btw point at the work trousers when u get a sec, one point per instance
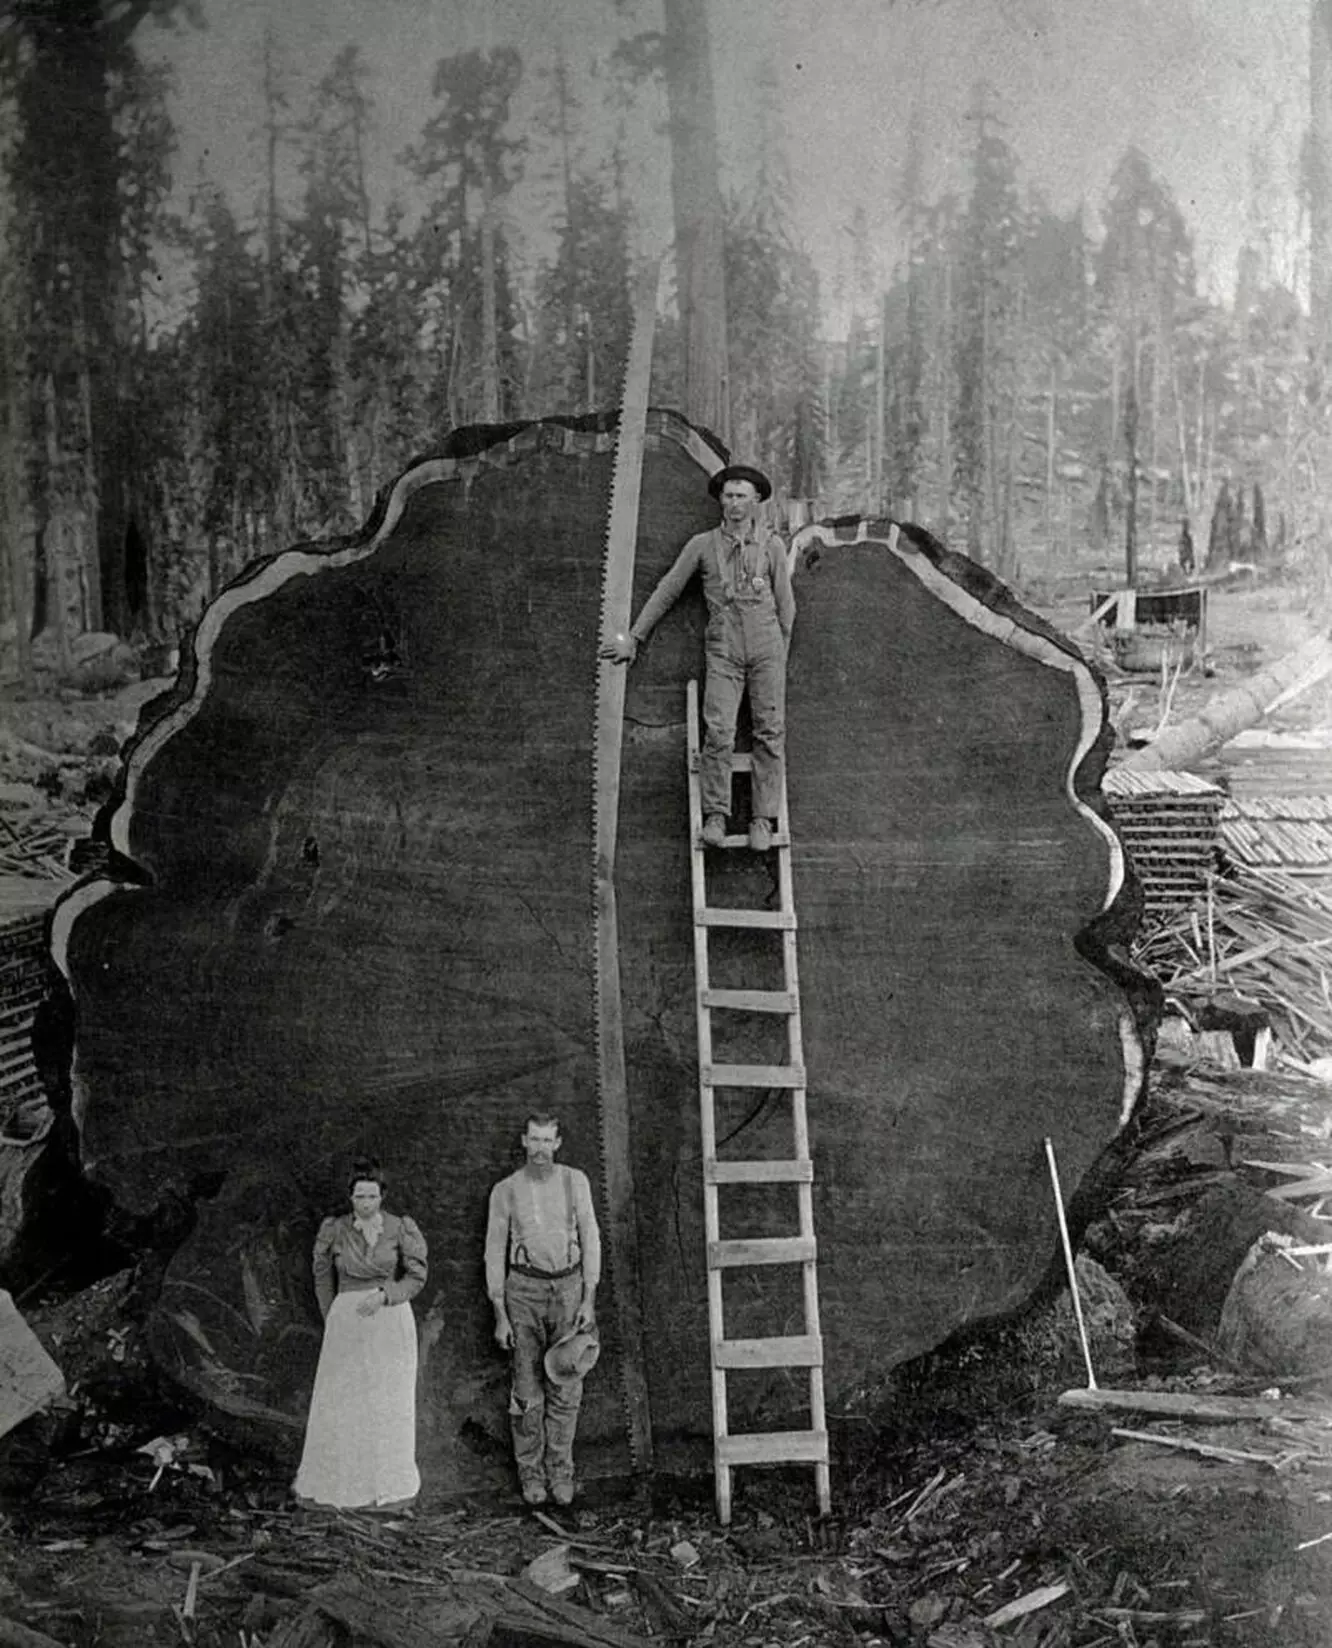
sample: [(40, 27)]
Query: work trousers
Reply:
[(543, 1413), (745, 648)]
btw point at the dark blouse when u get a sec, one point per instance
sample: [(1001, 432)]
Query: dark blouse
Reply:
[(342, 1260)]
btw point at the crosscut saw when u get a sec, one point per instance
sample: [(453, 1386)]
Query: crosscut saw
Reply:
[(617, 589)]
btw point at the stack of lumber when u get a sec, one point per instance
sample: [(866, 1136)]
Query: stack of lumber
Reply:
[(24, 905), (1169, 823), (1293, 832)]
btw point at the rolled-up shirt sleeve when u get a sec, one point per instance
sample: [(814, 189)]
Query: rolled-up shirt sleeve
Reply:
[(412, 1263), (497, 1240), (325, 1283), (668, 590), (589, 1234)]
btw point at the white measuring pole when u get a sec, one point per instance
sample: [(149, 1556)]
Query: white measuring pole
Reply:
[(1068, 1263)]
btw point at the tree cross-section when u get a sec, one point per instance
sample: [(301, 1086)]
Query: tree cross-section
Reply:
[(359, 920)]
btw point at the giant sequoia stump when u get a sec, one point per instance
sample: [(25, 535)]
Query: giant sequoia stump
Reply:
[(361, 918)]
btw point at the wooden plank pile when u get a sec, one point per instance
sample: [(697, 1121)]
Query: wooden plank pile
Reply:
[(1264, 933), (1169, 822), (1292, 831), (24, 905), (33, 846)]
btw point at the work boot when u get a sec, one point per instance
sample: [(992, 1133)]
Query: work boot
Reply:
[(714, 831), (562, 1492), (534, 1490), (760, 835)]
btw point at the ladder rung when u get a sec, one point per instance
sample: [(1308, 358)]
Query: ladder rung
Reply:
[(741, 760), (751, 1001), (782, 920), (753, 1075), (763, 1250), (780, 838), (802, 1351), (791, 1172), (773, 1448)]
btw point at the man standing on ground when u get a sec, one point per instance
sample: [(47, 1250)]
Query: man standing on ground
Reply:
[(750, 613), (543, 1264)]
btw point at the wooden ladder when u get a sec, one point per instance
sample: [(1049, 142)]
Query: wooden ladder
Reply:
[(804, 1350)]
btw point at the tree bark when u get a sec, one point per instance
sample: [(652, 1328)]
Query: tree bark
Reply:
[(279, 410), (1202, 462), (90, 561), (1277, 1317), (1007, 545), (490, 393), (1131, 508), (945, 501), (59, 529), (1320, 183), (569, 364), (696, 196), (1185, 470), (980, 483), (1052, 393), (15, 529), (1154, 439), (877, 504)]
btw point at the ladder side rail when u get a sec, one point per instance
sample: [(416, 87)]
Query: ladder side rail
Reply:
[(698, 884), (702, 979), (791, 983), (707, 1111), (804, 1350), (800, 1124)]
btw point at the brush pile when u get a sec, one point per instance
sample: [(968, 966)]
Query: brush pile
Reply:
[(1261, 932)]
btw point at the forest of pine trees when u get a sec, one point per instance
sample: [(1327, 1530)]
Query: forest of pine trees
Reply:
[(1021, 382)]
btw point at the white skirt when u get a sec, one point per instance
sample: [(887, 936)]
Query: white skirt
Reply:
[(360, 1438)]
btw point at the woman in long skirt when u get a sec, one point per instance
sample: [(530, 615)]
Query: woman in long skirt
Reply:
[(360, 1438)]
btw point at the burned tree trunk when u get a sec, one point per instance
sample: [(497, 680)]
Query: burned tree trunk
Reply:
[(362, 828)]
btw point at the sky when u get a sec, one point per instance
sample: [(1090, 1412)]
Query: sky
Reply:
[(1208, 89)]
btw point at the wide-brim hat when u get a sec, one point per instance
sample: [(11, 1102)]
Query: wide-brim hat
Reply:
[(741, 472), (574, 1355)]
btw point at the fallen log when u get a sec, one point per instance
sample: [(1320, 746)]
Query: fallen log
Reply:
[(1180, 747), (1201, 1406), (361, 840)]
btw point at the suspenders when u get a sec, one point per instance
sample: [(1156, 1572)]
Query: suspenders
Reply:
[(571, 1236)]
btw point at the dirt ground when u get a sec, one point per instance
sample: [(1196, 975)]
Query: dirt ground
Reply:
[(963, 1489), (970, 1507)]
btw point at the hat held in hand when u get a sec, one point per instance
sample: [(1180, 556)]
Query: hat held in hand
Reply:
[(574, 1355)]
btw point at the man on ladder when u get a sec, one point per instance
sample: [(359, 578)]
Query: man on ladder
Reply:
[(751, 609)]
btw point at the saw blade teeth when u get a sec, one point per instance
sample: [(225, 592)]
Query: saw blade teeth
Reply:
[(607, 731)]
